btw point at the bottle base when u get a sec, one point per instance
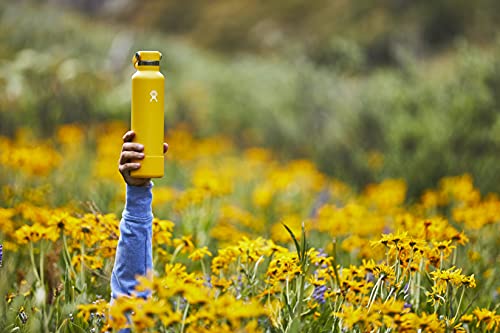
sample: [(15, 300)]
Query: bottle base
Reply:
[(151, 167)]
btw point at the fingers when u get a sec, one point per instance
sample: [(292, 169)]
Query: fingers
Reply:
[(128, 145), (127, 156), (127, 167), (132, 146), (137, 147), (129, 136)]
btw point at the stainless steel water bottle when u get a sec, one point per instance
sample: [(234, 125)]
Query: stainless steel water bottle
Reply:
[(147, 112)]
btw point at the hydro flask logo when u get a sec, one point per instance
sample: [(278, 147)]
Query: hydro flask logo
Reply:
[(154, 95)]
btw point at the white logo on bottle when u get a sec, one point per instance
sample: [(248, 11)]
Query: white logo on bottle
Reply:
[(153, 95)]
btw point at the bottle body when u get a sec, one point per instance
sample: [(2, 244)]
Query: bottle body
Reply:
[(147, 118)]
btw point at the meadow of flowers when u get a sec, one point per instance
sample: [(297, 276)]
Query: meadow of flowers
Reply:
[(243, 242)]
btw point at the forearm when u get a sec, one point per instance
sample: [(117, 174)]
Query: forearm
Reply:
[(134, 251)]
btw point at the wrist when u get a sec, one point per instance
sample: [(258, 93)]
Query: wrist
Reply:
[(146, 184), (138, 201)]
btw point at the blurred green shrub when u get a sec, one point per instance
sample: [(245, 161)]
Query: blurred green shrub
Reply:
[(418, 121), (236, 25), (340, 54)]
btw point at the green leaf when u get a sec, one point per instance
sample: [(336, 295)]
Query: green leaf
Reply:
[(68, 294), (295, 326), (304, 245), (297, 246)]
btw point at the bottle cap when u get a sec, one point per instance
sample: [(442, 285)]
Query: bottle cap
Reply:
[(146, 58)]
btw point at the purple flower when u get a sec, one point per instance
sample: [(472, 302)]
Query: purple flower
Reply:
[(208, 282), (319, 294), (322, 253), (406, 288), (1, 255)]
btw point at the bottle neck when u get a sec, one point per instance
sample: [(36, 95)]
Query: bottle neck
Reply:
[(147, 68)]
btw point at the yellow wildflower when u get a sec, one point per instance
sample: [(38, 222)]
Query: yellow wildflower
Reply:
[(262, 195), (6, 224), (99, 307), (488, 317), (35, 233), (185, 244), (162, 231), (198, 254)]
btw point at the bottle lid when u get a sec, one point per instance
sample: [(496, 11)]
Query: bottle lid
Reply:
[(146, 58)]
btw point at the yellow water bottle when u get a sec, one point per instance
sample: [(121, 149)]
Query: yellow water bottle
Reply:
[(147, 112)]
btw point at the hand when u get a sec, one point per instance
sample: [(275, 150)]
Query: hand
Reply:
[(133, 151)]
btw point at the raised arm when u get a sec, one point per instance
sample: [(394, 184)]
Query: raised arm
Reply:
[(134, 251)]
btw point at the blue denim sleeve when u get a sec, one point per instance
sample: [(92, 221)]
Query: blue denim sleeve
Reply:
[(134, 251)]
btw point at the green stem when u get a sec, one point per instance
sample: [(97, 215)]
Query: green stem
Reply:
[(42, 285), (408, 269), (67, 256), (419, 283), (82, 265), (203, 267), (441, 261), (178, 305), (32, 257), (334, 264), (176, 252), (393, 289), (398, 267), (42, 260), (459, 304), (184, 316), (299, 296), (374, 292), (287, 296)]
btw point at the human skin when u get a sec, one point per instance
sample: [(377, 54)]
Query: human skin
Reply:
[(132, 151)]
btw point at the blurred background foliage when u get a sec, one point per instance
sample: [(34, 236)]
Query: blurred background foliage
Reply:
[(367, 90)]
